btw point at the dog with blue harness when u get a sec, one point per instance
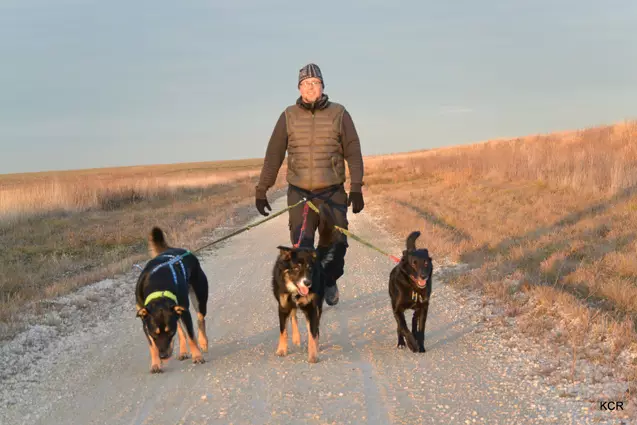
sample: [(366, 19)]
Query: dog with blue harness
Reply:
[(163, 299)]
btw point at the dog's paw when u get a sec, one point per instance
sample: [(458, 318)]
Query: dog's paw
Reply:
[(183, 356), (281, 352), (203, 344), (312, 359), (198, 360), (401, 345), (156, 369), (412, 343), (422, 350)]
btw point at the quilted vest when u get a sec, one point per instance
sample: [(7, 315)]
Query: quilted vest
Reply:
[(315, 153)]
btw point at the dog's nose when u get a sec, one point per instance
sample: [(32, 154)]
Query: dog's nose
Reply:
[(307, 282)]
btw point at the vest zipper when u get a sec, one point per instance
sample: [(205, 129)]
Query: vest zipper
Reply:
[(312, 154)]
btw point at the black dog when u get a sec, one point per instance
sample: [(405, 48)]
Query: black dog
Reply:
[(410, 288), (298, 283), (162, 296)]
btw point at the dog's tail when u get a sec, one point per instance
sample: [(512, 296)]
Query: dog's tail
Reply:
[(156, 242), (411, 240), (326, 225)]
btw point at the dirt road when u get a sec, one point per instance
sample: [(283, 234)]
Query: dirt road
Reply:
[(88, 363)]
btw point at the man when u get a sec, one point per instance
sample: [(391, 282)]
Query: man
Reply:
[(319, 136)]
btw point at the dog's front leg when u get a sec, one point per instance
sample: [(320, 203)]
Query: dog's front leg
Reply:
[(414, 324), (282, 349), (155, 361), (186, 319), (296, 335), (422, 320), (403, 332), (183, 348), (313, 319), (202, 337)]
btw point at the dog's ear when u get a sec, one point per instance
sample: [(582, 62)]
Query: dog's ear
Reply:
[(179, 309), (285, 253), (142, 312)]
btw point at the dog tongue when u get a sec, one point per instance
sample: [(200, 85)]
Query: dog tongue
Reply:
[(303, 290), (422, 283)]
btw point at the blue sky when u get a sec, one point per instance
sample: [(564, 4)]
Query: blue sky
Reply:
[(91, 84)]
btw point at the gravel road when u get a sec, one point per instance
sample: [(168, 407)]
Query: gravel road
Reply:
[(87, 362)]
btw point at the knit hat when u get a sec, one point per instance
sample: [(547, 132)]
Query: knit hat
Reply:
[(310, 70)]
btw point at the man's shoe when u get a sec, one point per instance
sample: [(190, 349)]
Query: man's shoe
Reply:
[(331, 294)]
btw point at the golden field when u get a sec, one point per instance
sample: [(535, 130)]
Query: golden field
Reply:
[(547, 223)]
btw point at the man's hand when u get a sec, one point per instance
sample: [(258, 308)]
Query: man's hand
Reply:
[(262, 204), (356, 201)]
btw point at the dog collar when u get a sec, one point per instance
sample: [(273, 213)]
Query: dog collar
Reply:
[(160, 294), (417, 298)]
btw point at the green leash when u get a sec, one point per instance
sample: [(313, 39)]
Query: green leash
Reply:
[(356, 238), (250, 226)]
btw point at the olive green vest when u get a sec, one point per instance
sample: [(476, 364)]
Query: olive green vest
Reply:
[(315, 152)]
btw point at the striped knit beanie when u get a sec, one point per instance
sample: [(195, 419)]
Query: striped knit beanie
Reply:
[(310, 70)]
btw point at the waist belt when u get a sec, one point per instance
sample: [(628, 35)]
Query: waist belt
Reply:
[(324, 195)]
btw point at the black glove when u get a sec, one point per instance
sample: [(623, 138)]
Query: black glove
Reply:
[(262, 204), (356, 200)]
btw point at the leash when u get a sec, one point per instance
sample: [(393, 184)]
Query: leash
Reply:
[(356, 238), (306, 209), (236, 232), (367, 244), (249, 226), (392, 257)]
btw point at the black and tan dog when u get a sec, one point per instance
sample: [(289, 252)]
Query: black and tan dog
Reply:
[(298, 283), (162, 296), (410, 288)]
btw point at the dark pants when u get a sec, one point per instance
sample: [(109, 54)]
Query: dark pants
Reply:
[(331, 252)]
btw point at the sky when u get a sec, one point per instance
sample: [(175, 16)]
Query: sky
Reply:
[(86, 84)]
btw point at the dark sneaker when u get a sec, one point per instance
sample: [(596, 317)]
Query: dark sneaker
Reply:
[(331, 294)]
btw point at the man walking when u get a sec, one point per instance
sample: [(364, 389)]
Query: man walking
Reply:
[(319, 136)]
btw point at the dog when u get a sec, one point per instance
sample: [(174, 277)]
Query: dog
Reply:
[(410, 288), (162, 298), (298, 283)]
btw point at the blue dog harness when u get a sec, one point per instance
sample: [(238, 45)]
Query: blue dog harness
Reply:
[(171, 263)]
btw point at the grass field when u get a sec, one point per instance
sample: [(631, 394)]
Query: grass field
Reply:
[(61, 230), (548, 224)]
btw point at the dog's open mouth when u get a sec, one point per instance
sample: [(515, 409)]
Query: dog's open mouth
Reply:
[(420, 282), (303, 290)]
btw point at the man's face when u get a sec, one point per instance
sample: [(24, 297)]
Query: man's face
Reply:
[(311, 90)]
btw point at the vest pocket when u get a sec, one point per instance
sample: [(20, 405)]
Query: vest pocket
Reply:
[(336, 167)]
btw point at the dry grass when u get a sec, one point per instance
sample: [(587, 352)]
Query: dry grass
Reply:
[(62, 230), (109, 188), (555, 212)]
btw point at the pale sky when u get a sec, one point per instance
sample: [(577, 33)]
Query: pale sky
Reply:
[(88, 84)]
